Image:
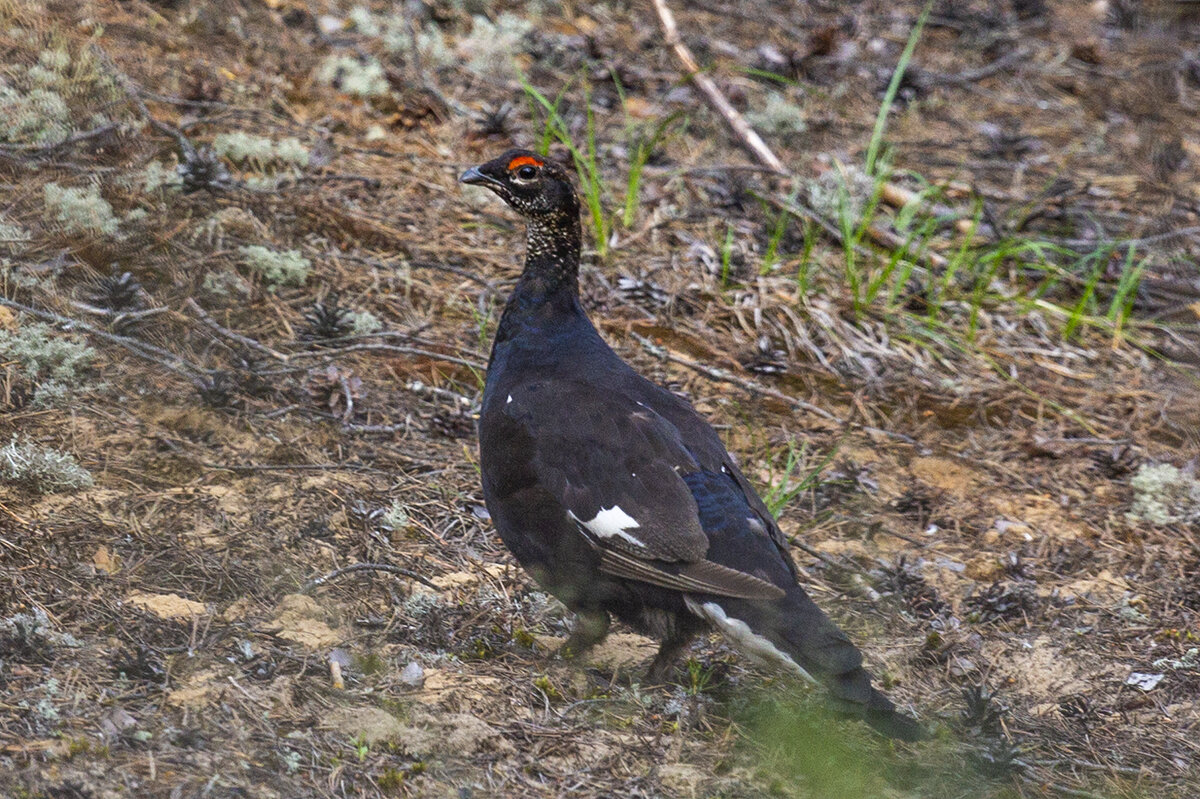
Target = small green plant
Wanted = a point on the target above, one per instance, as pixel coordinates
(770, 261)
(585, 159)
(889, 96)
(642, 144)
(543, 684)
(700, 677)
(361, 748)
(790, 483)
(79, 210)
(277, 268)
(804, 269)
(42, 470)
(483, 326)
(643, 147)
(727, 256)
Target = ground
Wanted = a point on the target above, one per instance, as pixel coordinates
(972, 395)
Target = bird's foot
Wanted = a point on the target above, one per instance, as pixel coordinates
(590, 629)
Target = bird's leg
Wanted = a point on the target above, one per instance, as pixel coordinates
(668, 654)
(590, 628)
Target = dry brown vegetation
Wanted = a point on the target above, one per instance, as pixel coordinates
(974, 431)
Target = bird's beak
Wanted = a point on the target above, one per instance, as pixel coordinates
(476, 178)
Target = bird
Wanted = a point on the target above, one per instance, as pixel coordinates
(617, 497)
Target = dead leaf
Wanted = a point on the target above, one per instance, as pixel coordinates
(105, 561)
(167, 606)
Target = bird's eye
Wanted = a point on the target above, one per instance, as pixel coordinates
(527, 172)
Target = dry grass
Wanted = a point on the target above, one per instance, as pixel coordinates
(972, 528)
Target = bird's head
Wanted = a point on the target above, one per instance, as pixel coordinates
(534, 186)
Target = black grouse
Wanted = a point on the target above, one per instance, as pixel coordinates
(616, 496)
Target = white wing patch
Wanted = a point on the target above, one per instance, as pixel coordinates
(745, 639)
(508, 400)
(611, 523)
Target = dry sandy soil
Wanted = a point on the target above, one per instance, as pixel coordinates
(972, 430)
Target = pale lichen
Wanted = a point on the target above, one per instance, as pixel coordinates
(1165, 494)
(286, 267)
(40, 469)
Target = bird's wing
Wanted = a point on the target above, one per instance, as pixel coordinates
(617, 467)
(705, 445)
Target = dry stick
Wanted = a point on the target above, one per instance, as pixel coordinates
(120, 316)
(379, 263)
(232, 336)
(167, 360)
(186, 148)
(362, 567)
(387, 348)
(986, 71)
(754, 143)
(70, 141)
(723, 376)
(741, 128)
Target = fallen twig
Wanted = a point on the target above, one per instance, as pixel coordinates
(362, 567)
(374, 428)
(70, 141)
(131, 90)
(245, 341)
(393, 348)
(1002, 63)
(755, 388)
(748, 137)
(116, 316)
(349, 397)
(167, 360)
(379, 263)
(716, 373)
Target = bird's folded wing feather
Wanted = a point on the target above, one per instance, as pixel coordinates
(616, 466)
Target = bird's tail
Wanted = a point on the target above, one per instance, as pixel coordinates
(795, 634)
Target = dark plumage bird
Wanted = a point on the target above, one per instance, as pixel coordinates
(616, 496)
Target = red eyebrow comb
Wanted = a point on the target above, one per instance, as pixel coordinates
(522, 160)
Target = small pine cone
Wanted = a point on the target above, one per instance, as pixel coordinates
(327, 320)
(203, 169)
(117, 292)
(765, 360)
(642, 292)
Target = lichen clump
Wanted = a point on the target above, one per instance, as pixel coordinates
(357, 77)
(40, 469)
(79, 210)
(261, 152)
(364, 323)
(490, 47)
(52, 361)
(1164, 494)
(278, 268)
(779, 116)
